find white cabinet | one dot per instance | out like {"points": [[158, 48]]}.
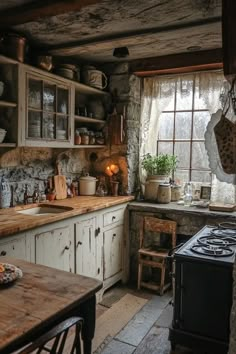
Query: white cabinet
{"points": [[53, 245], [99, 244], [88, 247], [112, 240], [17, 246]]}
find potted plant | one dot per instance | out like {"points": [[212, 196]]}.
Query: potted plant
{"points": [[158, 168], [160, 165]]}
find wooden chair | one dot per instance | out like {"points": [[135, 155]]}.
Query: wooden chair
{"points": [[153, 255], [54, 340]]}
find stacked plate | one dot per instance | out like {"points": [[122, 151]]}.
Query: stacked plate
{"points": [[34, 130], [61, 134]]}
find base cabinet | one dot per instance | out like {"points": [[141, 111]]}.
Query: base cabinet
{"points": [[17, 246], [53, 248], [112, 240], [88, 247]]}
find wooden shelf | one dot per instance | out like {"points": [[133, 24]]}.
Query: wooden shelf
{"points": [[7, 104], [8, 145], [89, 90], [89, 146], [88, 120]]}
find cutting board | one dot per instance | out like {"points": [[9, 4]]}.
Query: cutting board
{"points": [[60, 185], [221, 207]]}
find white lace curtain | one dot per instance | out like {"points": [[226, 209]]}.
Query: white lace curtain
{"points": [[156, 95]]}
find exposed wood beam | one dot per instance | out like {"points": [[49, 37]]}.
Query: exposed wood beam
{"points": [[36, 10], [228, 38], [69, 48], [168, 63]]}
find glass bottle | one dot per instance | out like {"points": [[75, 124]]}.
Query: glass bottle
{"points": [[102, 190], [188, 194]]}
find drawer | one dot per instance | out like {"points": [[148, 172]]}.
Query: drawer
{"points": [[114, 216]]}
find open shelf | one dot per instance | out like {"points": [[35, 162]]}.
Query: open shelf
{"points": [[7, 144], [89, 146], [89, 120], [7, 104]]}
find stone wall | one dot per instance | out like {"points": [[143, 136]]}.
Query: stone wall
{"points": [[32, 166]]}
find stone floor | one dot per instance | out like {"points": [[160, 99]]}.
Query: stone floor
{"points": [[146, 332]]}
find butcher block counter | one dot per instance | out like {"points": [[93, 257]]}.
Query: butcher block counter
{"points": [[12, 222]]}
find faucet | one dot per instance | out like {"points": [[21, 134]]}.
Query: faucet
{"points": [[34, 196]]}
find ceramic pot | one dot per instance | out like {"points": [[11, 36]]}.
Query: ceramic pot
{"points": [[87, 185], [93, 77], [95, 109]]}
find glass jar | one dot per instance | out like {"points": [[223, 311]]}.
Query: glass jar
{"points": [[164, 193], [102, 190], [91, 138], [99, 137], [84, 136], [175, 193], [77, 137]]}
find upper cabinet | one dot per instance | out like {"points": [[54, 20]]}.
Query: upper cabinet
{"points": [[44, 109]]}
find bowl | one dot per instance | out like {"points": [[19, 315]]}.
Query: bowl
{"points": [[2, 135]]}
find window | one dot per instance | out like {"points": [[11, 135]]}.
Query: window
{"points": [[181, 130]]}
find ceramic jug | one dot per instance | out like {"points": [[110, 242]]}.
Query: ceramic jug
{"points": [[93, 77]]}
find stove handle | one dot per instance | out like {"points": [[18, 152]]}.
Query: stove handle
{"points": [[172, 251]]}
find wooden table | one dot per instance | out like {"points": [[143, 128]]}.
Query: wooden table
{"points": [[42, 298]]}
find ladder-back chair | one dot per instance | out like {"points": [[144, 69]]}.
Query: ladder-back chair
{"points": [[153, 255]]}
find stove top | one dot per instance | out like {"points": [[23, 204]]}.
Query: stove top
{"points": [[211, 244]]}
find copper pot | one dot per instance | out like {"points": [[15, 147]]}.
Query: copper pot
{"points": [[45, 62], [14, 46]]}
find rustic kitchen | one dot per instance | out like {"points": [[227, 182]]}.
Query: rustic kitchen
{"points": [[117, 168]]}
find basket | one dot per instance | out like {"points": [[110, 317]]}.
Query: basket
{"points": [[2, 135]]}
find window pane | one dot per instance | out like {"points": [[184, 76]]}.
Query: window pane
{"points": [[34, 124], [34, 94], [199, 102], [182, 176], [166, 126], [167, 90], [200, 121], [201, 176], [183, 125], [184, 95], [165, 148], [182, 151], [48, 125], [62, 101], [62, 127], [199, 155], [49, 97]]}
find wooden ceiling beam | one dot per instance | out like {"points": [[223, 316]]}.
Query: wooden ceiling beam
{"points": [[40, 9], [72, 47], [173, 63]]}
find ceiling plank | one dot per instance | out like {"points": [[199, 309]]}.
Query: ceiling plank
{"points": [[73, 47], [36, 10], [177, 61]]}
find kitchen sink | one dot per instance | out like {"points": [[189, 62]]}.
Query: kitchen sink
{"points": [[44, 210]]}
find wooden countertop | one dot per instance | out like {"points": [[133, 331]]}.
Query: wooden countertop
{"points": [[12, 222]]}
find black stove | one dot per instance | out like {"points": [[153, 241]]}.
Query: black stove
{"points": [[211, 244], [203, 279]]}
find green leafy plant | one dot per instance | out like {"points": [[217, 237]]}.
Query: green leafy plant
{"points": [[162, 164]]}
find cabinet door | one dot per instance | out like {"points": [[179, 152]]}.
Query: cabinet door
{"points": [[88, 248], [112, 251], [14, 247], [53, 248]]}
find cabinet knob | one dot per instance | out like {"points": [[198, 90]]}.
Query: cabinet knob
{"points": [[113, 218], [114, 235], [66, 248], [3, 253], [98, 270], [97, 231], [79, 243]]}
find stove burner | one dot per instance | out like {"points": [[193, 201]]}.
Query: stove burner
{"points": [[217, 241], [212, 250], [227, 225], [223, 232]]}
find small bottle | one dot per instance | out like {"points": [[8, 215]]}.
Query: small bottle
{"points": [[102, 190], [188, 196]]}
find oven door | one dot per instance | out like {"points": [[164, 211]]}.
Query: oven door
{"points": [[203, 298]]}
